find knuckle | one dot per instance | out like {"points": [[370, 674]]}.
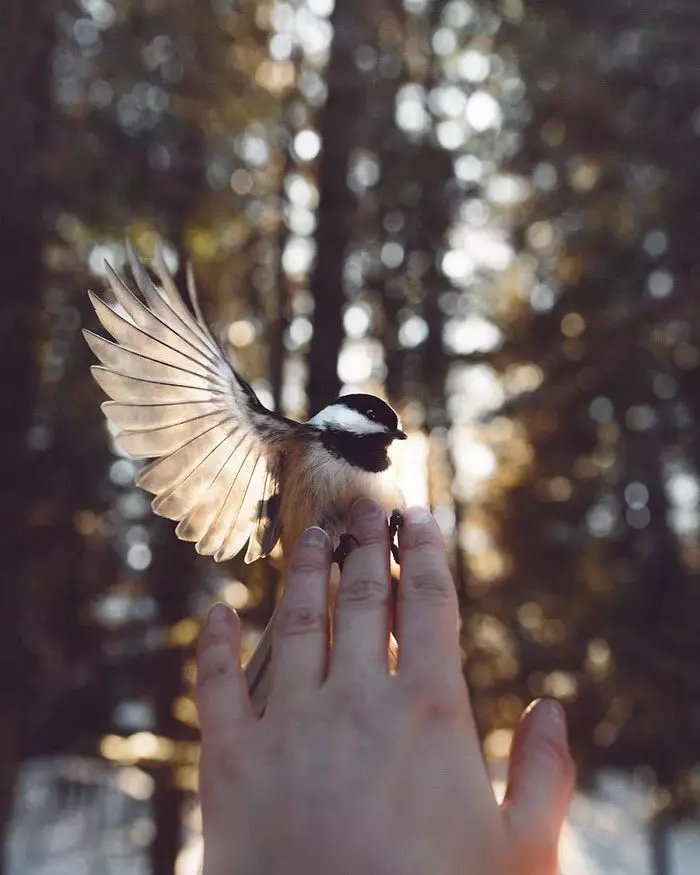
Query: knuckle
{"points": [[308, 560], [428, 586], [213, 663], [363, 589], [300, 619], [305, 568], [355, 701], [377, 534], [438, 698]]}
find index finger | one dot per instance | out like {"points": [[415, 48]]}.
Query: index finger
{"points": [[428, 613]]}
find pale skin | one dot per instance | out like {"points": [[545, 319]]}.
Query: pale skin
{"points": [[356, 771]]}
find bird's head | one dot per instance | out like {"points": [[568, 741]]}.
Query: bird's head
{"points": [[360, 415], [359, 428]]}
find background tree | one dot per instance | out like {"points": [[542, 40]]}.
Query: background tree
{"points": [[601, 574], [24, 95]]}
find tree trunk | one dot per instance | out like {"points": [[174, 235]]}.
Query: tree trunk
{"points": [[173, 578], [172, 581], [658, 841], [25, 58], [337, 122]]}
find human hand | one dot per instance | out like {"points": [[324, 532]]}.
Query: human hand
{"points": [[356, 771]]}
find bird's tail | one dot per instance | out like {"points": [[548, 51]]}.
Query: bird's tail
{"points": [[257, 672]]}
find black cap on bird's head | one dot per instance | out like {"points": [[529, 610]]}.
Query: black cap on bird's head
{"points": [[375, 410], [360, 415]]}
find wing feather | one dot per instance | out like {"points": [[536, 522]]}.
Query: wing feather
{"points": [[121, 387], [130, 337], [171, 294], [198, 522], [176, 399], [267, 527], [149, 322], [143, 367], [143, 417], [192, 487], [163, 441], [215, 537], [167, 284], [240, 527], [168, 471], [179, 321]]}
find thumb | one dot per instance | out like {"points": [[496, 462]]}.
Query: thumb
{"points": [[541, 778]]}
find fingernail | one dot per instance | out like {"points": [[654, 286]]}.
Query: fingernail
{"points": [[219, 614], [315, 537], [551, 714], [365, 507], [418, 516]]}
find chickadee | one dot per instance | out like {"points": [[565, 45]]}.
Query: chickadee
{"points": [[226, 468]]}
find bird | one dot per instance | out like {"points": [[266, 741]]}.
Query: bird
{"points": [[226, 468]]}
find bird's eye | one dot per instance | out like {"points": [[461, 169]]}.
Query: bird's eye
{"points": [[371, 414]]}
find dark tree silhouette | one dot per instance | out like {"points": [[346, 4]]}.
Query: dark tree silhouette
{"points": [[25, 98]]}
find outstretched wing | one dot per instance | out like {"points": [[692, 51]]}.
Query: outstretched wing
{"points": [[177, 399]]}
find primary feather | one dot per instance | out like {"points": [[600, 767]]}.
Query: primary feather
{"points": [[177, 399]]}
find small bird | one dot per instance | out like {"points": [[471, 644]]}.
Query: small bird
{"points": [[229, 470]]}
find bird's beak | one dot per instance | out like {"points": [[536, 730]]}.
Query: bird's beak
{"points": [[398, 435]]}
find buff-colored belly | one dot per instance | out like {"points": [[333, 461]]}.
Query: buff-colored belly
{"points": [[322, 495]]}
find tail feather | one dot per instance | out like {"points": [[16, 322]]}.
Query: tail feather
{"points": [[258, 674]]}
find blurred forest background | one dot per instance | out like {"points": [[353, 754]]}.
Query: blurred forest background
{"points": [[486, 210]]}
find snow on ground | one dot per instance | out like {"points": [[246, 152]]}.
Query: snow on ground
{"points": [[606, 833], [83, 817]]}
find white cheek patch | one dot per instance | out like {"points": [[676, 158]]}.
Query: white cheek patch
{"points": [[346, 419]]}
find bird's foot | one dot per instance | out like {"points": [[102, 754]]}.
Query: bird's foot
{"points": [[342, 551], [395, 523]]}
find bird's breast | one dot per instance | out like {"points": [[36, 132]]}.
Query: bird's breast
{"points": [[318, 489]]}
